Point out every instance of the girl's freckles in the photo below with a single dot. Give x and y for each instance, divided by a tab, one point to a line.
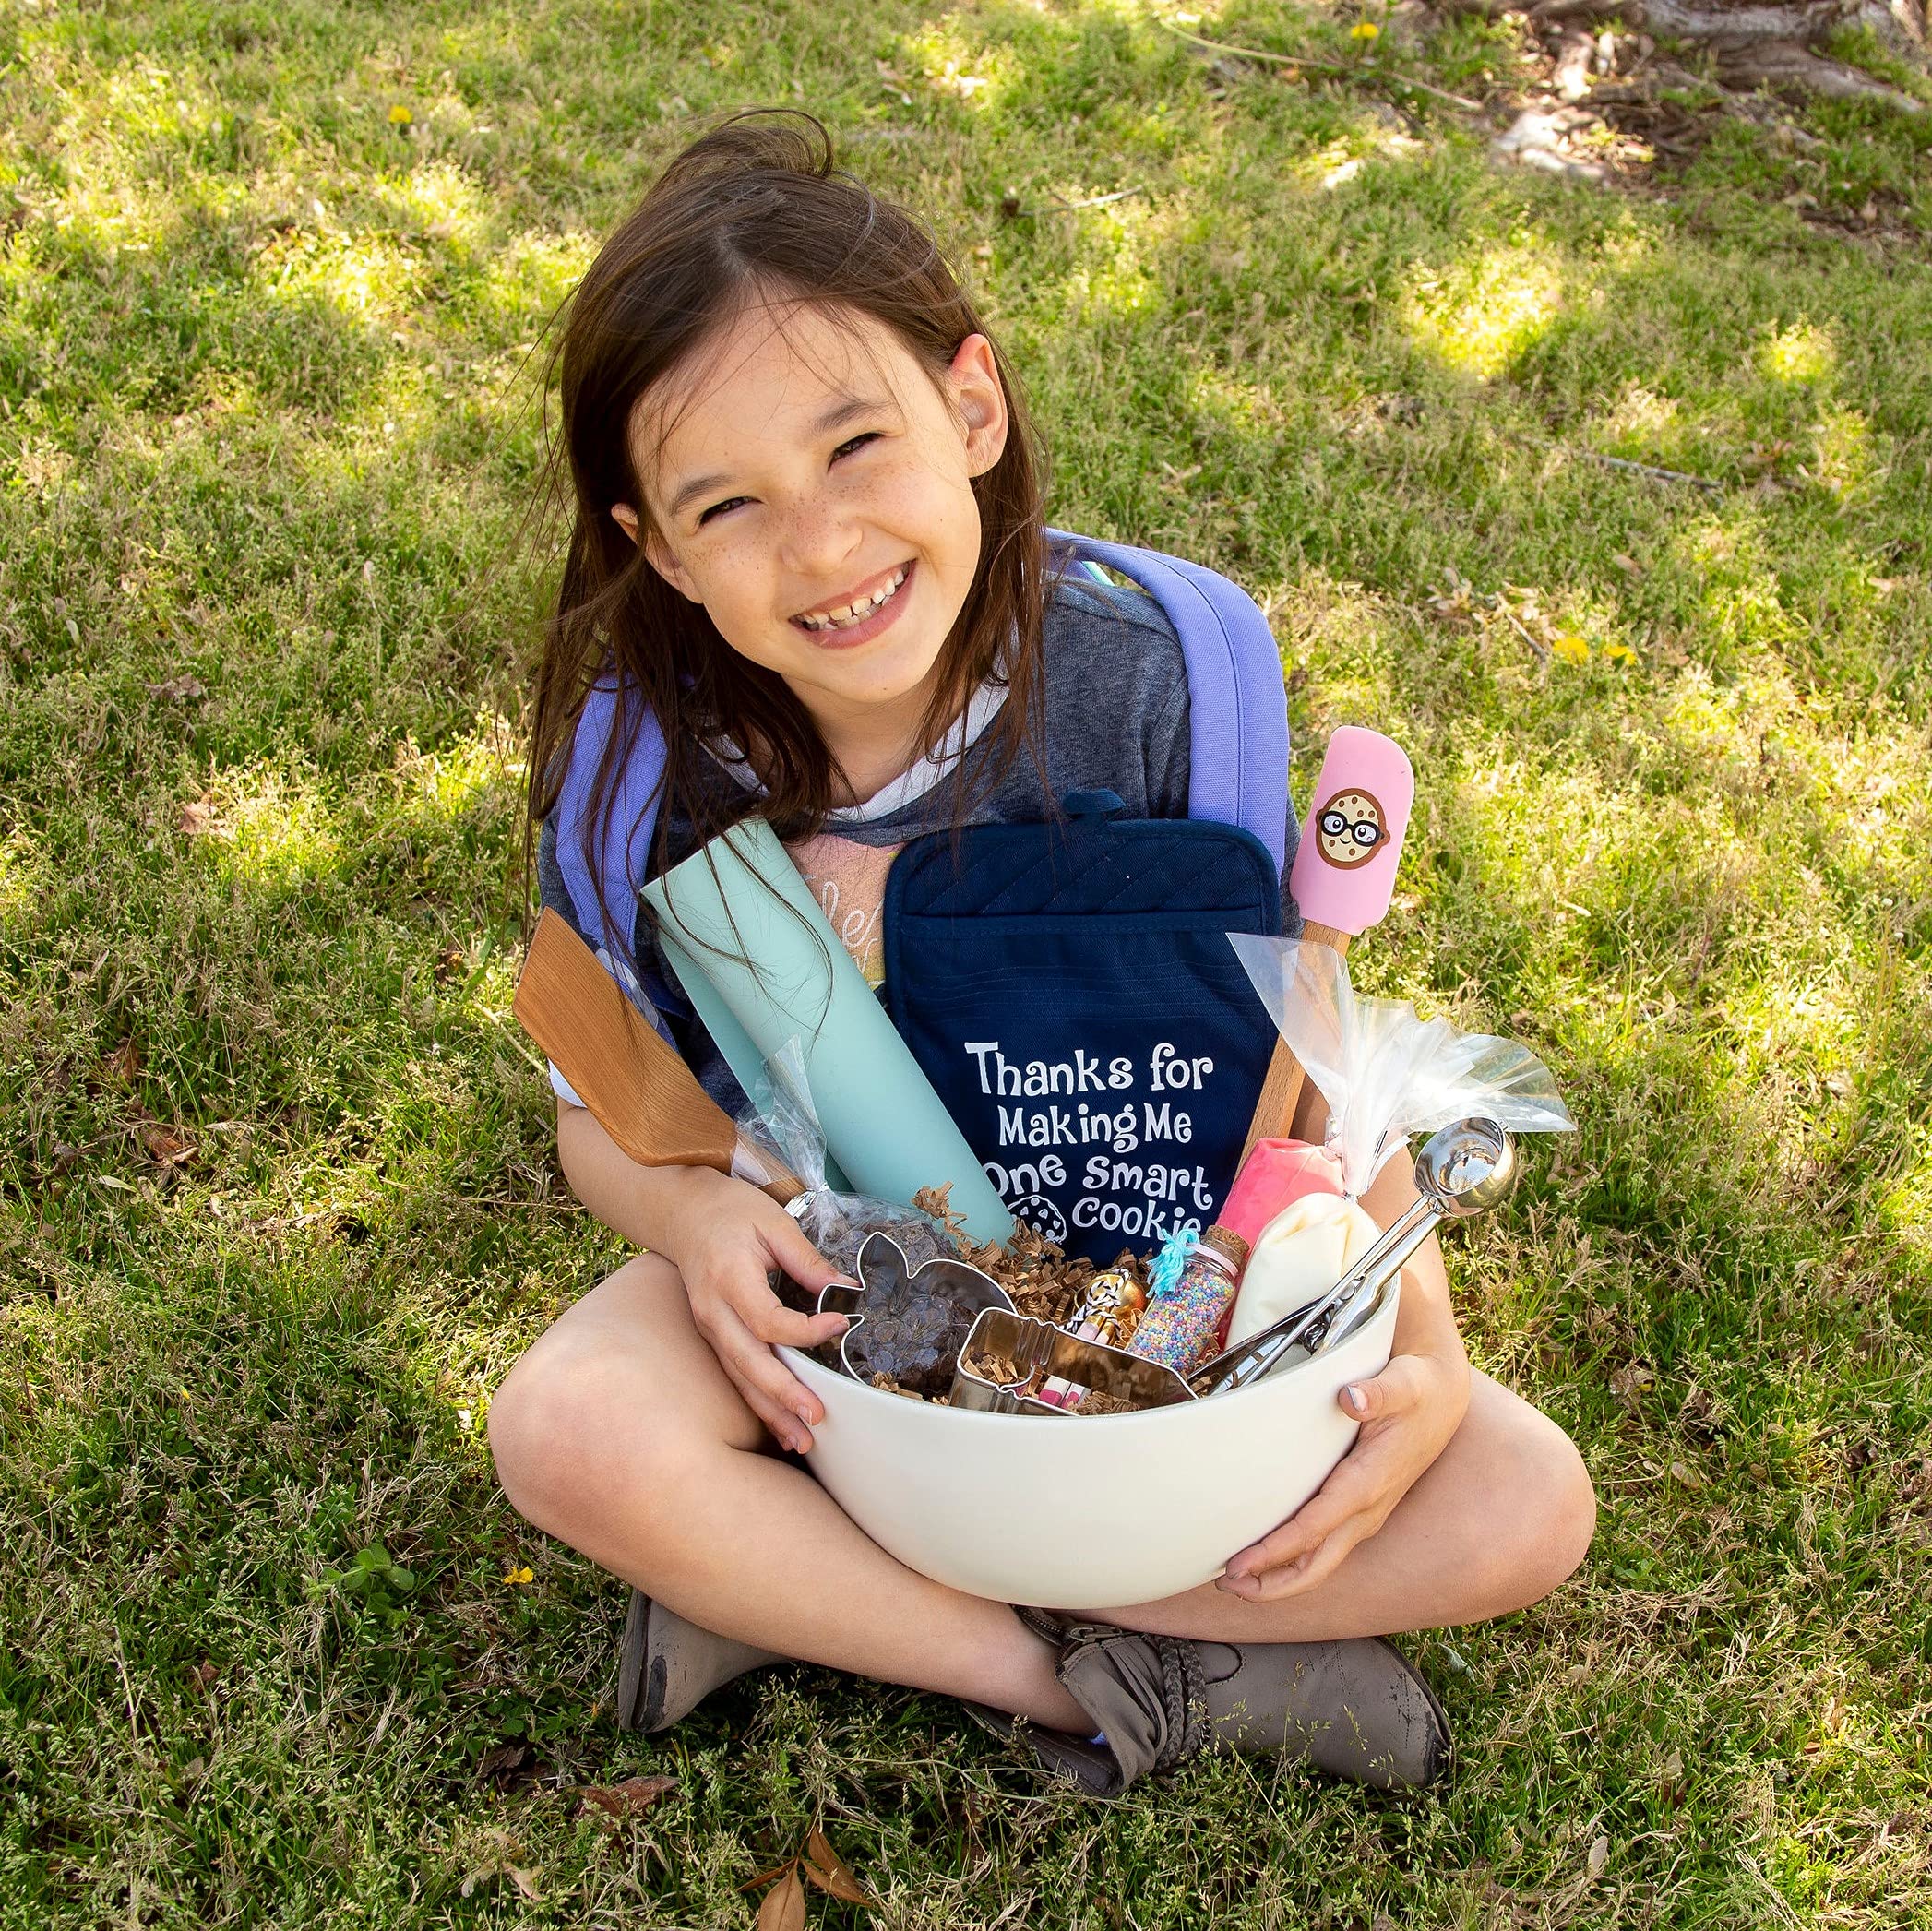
831	490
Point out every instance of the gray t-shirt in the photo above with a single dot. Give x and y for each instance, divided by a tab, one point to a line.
1114	718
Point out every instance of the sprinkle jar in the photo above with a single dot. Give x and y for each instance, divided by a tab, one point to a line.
1182	1325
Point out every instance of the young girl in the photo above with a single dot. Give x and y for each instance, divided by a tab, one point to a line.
808	541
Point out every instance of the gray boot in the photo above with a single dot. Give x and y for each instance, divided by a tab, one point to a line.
669	1667
1354	1708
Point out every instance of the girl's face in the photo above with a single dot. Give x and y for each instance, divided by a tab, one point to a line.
809	482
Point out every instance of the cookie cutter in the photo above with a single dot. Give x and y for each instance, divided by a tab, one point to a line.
1041	1352
905	1322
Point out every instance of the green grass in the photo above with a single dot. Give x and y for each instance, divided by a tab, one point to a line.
267	423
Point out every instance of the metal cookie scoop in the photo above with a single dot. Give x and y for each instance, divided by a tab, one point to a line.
909	1324
1462	1169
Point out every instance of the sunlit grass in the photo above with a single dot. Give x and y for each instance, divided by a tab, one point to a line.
362	275
1848	457
271	828
442	197
1641	417
1800	352
23	881
529	278
1907	1210
478	771
1483	315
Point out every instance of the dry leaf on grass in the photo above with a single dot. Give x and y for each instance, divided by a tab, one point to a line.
124	1062
501	1761
1629	1381
515	1872
830	1872
633	1798
183	689
785	1905
197	818
167	1146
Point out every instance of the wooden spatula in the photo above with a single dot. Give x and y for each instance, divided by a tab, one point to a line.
643	1095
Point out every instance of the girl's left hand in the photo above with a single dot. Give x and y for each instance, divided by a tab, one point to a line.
1408	1412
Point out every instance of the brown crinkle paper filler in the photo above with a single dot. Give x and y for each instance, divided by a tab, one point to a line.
990	1366
887	1385
998	1369
1044	1284
1098	1403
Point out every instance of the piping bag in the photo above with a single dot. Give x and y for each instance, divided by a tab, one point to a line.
738	915
1277	1173
1342	878
1386	1072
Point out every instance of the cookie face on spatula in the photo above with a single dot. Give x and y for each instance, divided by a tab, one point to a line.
1344	869
909	1324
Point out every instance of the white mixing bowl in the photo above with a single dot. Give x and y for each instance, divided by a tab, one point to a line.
1093	1514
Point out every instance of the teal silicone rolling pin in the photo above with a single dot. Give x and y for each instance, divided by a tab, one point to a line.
741	900
740	1050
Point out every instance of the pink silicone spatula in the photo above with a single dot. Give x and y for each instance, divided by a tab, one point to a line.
1343	876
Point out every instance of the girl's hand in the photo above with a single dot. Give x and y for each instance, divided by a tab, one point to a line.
729	1237
1408	1412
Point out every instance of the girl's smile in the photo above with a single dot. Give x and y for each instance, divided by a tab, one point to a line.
808	480
862	616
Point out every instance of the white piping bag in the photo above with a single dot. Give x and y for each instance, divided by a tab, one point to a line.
1384	1071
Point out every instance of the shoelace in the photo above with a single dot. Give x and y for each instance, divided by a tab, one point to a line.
1183	1694
1184	1684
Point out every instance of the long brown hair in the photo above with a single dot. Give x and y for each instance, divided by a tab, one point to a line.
751	212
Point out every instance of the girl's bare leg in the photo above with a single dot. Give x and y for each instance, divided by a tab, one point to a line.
1499	1518
619	1434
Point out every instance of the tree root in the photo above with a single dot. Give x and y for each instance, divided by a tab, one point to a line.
1766	43
1786	68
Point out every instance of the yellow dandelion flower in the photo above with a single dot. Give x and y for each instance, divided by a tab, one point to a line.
518	1577
1570	648
1364	31
1619	653
400	116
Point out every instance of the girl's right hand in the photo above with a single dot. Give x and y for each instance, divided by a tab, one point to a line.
729	1237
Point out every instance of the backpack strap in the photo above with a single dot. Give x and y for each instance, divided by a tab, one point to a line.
618	842
1237	704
